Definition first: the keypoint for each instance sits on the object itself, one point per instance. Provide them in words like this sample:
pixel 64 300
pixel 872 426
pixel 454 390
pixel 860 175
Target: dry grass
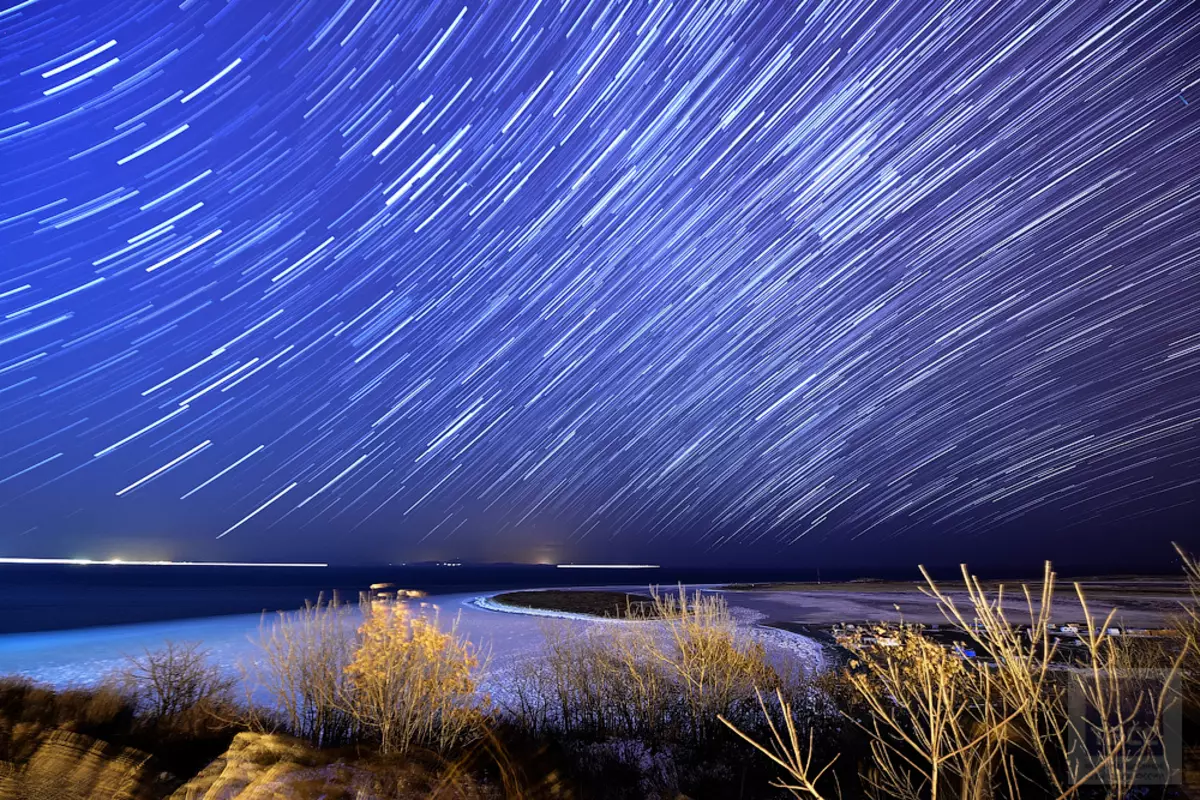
pixel 300 671
pixel 938 726
pixel 334 674
pixel 176 685
pixel 664 680
pixel 1189 625
pixel 70 766
pixel 29 712
pixel 637 707
pixel 34 718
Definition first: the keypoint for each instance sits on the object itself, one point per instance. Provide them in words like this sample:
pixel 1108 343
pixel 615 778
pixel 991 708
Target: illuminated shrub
pixel 410 682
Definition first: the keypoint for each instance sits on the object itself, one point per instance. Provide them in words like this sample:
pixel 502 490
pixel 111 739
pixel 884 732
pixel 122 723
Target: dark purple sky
pixel 703 281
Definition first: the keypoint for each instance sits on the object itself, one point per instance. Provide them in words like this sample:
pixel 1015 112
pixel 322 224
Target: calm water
pixel 41 598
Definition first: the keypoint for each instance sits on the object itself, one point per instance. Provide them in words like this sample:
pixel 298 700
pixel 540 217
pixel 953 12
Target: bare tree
pixel 175 680
pixel 301 668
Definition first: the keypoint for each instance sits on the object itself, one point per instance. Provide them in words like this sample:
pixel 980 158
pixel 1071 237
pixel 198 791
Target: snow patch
pixel 491 604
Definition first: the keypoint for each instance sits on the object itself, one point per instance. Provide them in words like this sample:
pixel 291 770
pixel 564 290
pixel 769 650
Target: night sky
pixel 574 279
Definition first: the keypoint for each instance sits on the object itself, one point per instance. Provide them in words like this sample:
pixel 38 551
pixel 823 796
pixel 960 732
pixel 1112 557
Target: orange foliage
pixel 411 682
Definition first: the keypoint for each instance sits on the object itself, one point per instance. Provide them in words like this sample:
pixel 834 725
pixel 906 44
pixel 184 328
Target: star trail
pixel 732 274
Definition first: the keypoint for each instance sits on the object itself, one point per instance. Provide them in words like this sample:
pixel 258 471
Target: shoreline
pixel 78 656
pixel 809 650
pixel 488 603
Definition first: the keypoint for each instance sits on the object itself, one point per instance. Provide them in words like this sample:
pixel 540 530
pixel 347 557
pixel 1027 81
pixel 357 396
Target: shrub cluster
pixel 334 674
pixel 658 705
pixel 663 680
pixel 934 725
pixel 172 703
pixel 176 686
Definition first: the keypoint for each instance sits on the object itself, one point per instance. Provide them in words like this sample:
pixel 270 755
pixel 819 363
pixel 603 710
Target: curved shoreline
pixel 488 603
pixel 798 645
pixel 807 649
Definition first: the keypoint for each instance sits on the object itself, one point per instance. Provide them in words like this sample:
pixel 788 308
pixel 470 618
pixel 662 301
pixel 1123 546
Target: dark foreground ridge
pixel 618 605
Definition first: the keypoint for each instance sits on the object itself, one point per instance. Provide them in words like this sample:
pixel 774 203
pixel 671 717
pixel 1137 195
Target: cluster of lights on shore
pixel 118 562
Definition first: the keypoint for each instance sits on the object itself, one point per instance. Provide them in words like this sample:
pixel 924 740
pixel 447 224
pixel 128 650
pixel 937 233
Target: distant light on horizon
pixel 608 566
pixel 117 562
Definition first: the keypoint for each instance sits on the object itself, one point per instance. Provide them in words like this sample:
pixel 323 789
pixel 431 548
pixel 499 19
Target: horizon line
pixel 607 566
pixel 117 562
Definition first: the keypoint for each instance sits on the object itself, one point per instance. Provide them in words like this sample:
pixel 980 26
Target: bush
pixel 941 726
pixel 662 680
pixel 176 684
pixel 715 666
pixel 592 684
pixel 397 677
pixel 410 682
pixel 301 670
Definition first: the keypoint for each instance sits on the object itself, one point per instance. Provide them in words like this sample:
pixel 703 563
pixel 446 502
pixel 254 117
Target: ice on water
pixel 81 657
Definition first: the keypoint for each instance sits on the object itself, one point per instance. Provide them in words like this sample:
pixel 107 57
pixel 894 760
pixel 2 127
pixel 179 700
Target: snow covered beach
pixel 510 634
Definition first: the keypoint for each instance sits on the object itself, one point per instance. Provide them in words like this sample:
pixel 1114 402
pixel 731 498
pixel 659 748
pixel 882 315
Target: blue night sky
pixel 570 279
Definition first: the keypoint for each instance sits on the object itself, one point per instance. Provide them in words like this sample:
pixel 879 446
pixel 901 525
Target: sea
pixel 72 625
pixel 61 597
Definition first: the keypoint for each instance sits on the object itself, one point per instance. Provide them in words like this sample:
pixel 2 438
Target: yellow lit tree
pixel 412 682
